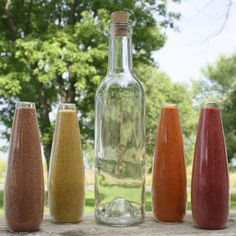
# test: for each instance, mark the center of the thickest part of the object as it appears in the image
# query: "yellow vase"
(66, 173)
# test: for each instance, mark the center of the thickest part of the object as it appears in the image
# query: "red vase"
(210, 181)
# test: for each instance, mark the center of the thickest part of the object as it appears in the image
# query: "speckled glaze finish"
(24, 188)
(66, 175)
(169, 175)
(210, 181)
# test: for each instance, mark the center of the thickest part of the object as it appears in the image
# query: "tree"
(55, 51)
(219, 84)
(160, 90)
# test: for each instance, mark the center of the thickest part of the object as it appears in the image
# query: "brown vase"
(24, 187)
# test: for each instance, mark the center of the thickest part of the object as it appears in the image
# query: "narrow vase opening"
(25, 104)
(169, 106)
(67, 106)
(210, 105)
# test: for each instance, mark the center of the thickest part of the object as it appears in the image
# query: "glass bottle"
(24, 185)
(210, 181)
(120, 134)
(169, 174)
(66, 173)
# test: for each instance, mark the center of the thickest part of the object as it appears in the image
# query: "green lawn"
(89, 202)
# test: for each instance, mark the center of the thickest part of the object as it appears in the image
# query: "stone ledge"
(149, 228)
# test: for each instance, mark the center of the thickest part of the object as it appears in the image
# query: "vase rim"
(25, 104)
(210, 105)
(169, 105)
(67, 106)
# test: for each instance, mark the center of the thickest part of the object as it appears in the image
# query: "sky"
(200, 39)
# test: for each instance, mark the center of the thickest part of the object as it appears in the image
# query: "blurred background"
(56, 51)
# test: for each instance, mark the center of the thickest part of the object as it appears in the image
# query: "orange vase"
(169, 174)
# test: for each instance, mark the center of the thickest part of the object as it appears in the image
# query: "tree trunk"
(44, 119)
(27, 22)
(72, 18)
(7, 20)
(47, 151)
(45, 127)
(67, 95)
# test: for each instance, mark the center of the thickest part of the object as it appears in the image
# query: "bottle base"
(119, 212)
(118, 222)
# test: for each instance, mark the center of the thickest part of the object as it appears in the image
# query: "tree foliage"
(160, 90)
(55, 51)
(219, 84)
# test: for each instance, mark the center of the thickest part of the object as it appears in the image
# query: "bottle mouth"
(169, 106)
(25, 104)
(210, 105)
(67, 106)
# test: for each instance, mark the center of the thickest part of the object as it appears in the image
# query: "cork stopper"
(120, 17)
(120, 20)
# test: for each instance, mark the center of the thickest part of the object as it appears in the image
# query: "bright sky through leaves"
(199, 41)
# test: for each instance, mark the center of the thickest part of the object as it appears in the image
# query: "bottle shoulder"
(121, 81)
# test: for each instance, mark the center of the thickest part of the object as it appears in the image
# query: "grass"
(89, 202)
(232, 177)
(89, 179)
(2, 170)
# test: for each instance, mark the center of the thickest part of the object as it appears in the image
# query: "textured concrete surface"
(149, 228)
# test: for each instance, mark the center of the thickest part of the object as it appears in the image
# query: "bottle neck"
(120, 52)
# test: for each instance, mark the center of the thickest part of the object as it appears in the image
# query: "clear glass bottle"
(120, 134)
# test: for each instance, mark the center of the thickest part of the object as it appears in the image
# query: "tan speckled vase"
(66, 172)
